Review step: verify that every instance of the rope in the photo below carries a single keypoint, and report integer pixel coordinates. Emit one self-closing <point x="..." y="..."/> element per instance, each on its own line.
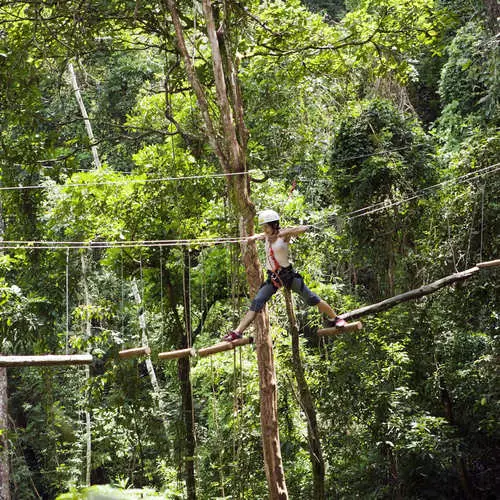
<point x="377" y="207"/>
<point x="195" y="177"/>
<point x="482" y="224"/>
<point x="122" y="303"/>
<point x="67" y="299"/>
<point x="162" y="310"/>
<point x="129" y="181"/>
<point x="368" y="210"/>
<point x="217" y="428"/>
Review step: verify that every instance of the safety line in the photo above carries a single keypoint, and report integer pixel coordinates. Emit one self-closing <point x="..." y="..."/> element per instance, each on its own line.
<point x="183" y="178"/>
<point x="377" y="207"/>
<point x="23" y="244"/>
<point x="128" y="181"/>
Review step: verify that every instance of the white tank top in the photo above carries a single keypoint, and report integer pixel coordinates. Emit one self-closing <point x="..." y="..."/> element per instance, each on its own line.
<point x="280" y="250"/>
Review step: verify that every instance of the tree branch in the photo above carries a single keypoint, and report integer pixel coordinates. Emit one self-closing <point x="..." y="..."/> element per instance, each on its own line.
<point x="386" y="304"/>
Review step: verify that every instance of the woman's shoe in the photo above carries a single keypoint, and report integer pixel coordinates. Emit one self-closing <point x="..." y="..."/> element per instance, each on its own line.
<point x="232" y="335"/>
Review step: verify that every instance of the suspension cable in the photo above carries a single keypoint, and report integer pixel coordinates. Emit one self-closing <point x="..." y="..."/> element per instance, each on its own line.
<point x="368" y="210"/>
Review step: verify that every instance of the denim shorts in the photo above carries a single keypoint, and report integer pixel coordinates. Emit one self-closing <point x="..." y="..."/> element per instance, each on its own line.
<point x="268" y="289"/>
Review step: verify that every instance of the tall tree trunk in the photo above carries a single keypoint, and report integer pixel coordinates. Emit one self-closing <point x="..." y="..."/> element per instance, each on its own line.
<point x="493" y="14"/>
<point x="307" y="404"/>
<point x="83" y="110"/>
<point x="184" y="368"/>
<point x="229" y="142"/>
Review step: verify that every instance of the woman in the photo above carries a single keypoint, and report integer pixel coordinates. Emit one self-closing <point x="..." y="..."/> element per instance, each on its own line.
<point x="280" y="273"/>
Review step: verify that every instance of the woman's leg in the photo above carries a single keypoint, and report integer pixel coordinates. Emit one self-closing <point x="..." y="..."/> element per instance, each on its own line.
<point x="266" y="291"/>
<point x="245" y="322"/>
<point x="310" y="298"/>
<point x="326" y="309"/>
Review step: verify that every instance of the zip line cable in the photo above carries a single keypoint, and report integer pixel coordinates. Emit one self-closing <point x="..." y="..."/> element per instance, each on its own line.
<point x="371" y="209"/>
<point x="377" y="207"/>
<point x="187" y="177"/>
<point x="130" y="181"/>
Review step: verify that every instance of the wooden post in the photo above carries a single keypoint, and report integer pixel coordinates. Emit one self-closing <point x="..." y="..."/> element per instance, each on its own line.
<point x="411" y="295"/>
<point x="135" y="352"/>
<point x="350" y="327"/>
<point x="224" y="346"/>
<point x="46" y="360"/>
<point x="306" y="402"/>
<point x="179" y="353"/>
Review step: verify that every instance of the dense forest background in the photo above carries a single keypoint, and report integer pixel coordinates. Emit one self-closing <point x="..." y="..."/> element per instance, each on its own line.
<point x="375" y="121"/>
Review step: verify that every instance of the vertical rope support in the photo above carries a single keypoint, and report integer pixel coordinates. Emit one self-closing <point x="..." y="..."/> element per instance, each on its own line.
<point x="67" y="299"/>
<point x="162" y="312"/>
<point x="482" y="224"/>
<point x="203" y="295"/>
<point x="87" y="333"/>
<point x="217" y="430"/>
<point x="122" y="303"/>
<point x="190" y="340"/>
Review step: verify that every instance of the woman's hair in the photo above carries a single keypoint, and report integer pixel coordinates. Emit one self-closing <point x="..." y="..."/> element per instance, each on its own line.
<point x="275" y="225"/>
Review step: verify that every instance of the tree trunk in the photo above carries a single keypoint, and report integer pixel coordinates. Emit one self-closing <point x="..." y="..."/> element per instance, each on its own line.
<point x="493" y="14"/>
<point x="307" y="404"/>
<point x="229" y="141"/>
<point x="184" y="369"/>
<point x="88" y="126"/>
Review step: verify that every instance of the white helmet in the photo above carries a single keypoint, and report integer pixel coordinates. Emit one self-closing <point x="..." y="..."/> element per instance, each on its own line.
<point x="267" y="216"/>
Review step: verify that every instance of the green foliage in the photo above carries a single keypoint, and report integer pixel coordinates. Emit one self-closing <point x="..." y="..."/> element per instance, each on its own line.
<point x="406" y="407"/>
<point x="106" y="492"/>
<point x="378" y="153"/>
<point x="469" y="82"/>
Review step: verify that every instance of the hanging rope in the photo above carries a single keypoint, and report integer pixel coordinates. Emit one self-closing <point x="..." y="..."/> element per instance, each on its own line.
<point x="482" y="223"/>
<point x="215" y="416"/>
<point x="162" y="310"/>
<point x="122" y="302"/>
<point x="67" y="300"/>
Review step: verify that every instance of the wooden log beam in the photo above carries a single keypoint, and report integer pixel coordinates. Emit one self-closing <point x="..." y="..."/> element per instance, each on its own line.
<point x="350" y="327"/>
<point x="180" y="353"/>
<point x="46" y="360"/>
<point x="135" y="352"/>
<point x="490" y="263"/>
<point x="411" y="295"/>
<point x="224" y="346"/>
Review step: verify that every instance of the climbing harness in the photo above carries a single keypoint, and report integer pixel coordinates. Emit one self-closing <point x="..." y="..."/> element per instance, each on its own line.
<point x="281" y="276"/>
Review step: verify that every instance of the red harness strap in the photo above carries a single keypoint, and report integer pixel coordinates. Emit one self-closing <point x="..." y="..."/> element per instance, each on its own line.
<point x="276" y="267"/>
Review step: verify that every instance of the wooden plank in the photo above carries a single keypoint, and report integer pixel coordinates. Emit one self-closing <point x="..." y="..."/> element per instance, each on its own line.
<point x="179" y="353"/>
<point x="490" y="263"/>
<point x="46" y="360"/>
<point x="135" y="352"/>
<point x="350" y="327"/>
<point x="224" y="346"/>
<point x="411" y="295"/>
